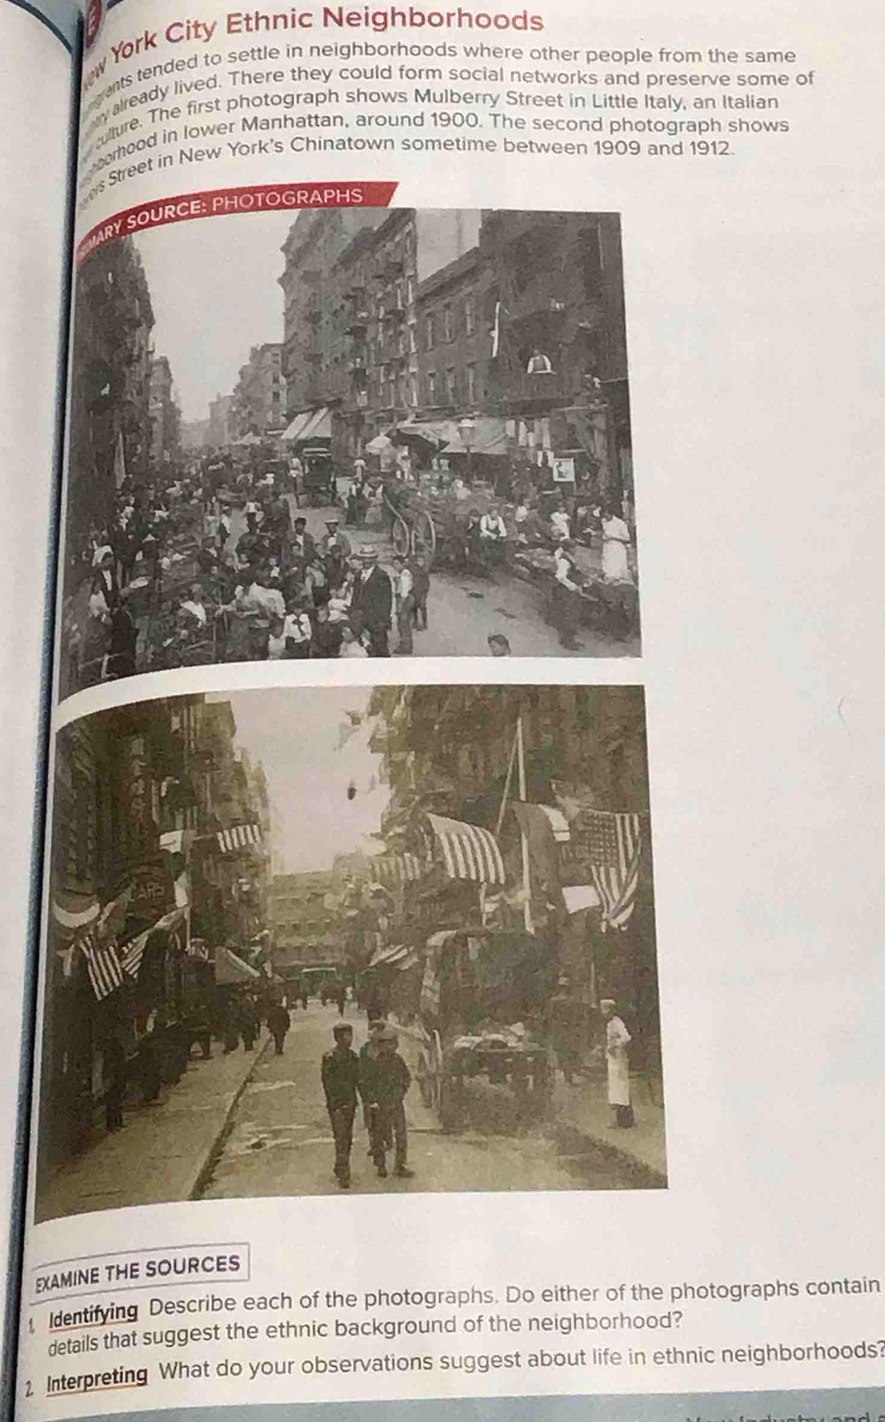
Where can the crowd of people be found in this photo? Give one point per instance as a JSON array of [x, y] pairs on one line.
[[168, 582], [218, 564]]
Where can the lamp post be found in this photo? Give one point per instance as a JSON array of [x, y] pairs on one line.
[[467, 429]]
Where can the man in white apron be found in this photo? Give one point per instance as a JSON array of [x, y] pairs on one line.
[[617, 1039]]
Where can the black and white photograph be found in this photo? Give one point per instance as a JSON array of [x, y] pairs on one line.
[[365, 432], [315, 941]]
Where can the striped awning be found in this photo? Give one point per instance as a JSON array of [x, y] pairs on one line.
[[299, 425], [231, 841], [468, 852], [319, 426], [396, 869], [73, 912]]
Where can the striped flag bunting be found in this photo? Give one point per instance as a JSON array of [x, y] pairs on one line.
[[238, 837], [396, 869], [133, 952], [102, 965], [468, 851], [613, 845]]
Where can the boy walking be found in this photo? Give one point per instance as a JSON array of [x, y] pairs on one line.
[[384, 1081], [340, 1071]]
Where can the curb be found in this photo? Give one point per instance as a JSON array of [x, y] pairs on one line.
[[204, 1173], [642, 1176]]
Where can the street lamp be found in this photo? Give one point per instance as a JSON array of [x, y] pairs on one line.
[[467, 429]]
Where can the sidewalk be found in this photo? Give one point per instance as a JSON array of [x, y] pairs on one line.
[[585, 1107], [164, 1148]]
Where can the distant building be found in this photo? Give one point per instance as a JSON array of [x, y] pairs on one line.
[[220, 430], [165, 414], [194, 434], [302, 925], [258, 403]]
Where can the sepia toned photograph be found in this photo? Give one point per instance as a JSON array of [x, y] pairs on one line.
[[302, 942], [364, 432]]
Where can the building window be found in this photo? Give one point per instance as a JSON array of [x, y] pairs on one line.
[[470, 389], [431, 387], [448, 324], [413, 390], [429, 333], [451, 385], [469, 315]]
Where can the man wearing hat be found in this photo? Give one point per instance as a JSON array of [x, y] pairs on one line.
[[384, 1080], [340, 1072], [372, 598], [302, 545]]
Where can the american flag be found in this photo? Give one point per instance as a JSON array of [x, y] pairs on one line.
[[102, 965], [468, 851], [231, 841], [612, 844]]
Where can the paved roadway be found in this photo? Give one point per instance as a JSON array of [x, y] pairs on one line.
[[280, 1142], [462, 611]]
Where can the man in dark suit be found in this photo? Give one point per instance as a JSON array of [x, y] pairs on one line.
[[302, 545], [373, 600]]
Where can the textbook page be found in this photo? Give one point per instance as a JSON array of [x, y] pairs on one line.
[[36, 74], [460, 971]]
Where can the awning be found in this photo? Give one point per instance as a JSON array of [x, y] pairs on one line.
[[395, 869], [298, 425], [379, 444], [489, 437], [231, 969], [468, 851], [440, 939], [73, 912], [435, 432], [319, 426]]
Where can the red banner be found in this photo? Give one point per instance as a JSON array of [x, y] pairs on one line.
[[222, 202]]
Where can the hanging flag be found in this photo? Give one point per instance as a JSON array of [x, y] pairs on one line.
[[468, 851], [102, 965], [133, 952], [612, 844], [238, 837]]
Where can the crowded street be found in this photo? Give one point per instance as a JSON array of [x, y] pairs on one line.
[[200, 573], [462, 464]]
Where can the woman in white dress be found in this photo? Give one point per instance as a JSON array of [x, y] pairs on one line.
[[617, 1039], [615, 542]]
